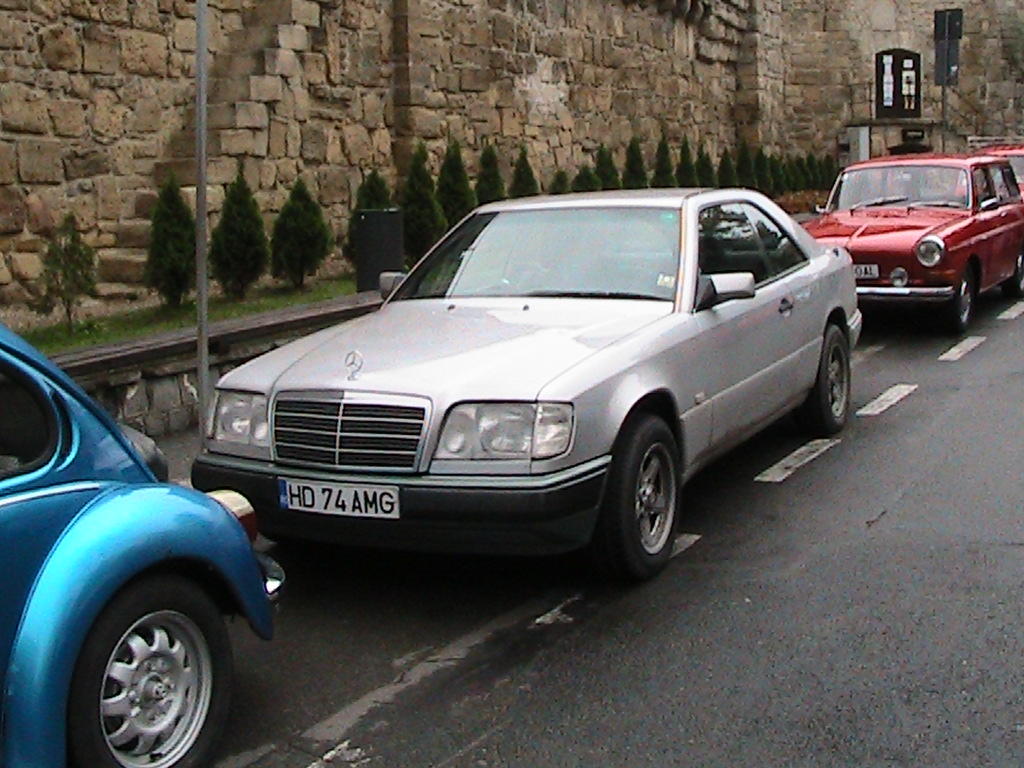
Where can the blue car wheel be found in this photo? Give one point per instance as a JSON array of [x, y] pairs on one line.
[[152, 684]]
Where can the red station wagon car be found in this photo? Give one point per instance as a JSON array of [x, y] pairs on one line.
[[934, 229]]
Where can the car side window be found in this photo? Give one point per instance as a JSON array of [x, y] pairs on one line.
[[983, 191], [26, 427], [1009, 182], [999, 185], [728, 242], [781, 253]]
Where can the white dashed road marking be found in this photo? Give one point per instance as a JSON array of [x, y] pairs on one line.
[[783, 469], [1012, 313], [954, 353], [683, 542], [887, 399]]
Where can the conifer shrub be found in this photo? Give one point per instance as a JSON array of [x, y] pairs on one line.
[[607, 173], [559, 183], [454, 191], [686, 171], [301, 238], [664, 175], [586, 180], [796, 172], [780, 179], [489, 184], [423, 219], [238, 246], [634, 174], [745, 173], [829, 170], [726, 170], [524, 183], [171, 258], [813, 172], [705, 169], [763, 173], [69, 272]]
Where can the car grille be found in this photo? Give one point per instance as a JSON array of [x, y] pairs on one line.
[[348, 435]]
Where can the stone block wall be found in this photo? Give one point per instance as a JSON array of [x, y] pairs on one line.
[[829, 69], [97, 96]]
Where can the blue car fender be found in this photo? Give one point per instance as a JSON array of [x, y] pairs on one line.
[[116, 537]]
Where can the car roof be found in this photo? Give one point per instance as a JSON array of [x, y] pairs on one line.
[[657, 198], [1001, 149], [927, 158]]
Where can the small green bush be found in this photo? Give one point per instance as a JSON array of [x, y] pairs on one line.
[[780, 178], [746, 175], [705, 169], [763, 173], [454, 191], [726, 170], [301, 239], [586, 180], [238, 246], [489, 184], [813, 172], [686, 171], [664, 176], [559, 183], [634, 175], [606, 171], [171, 259], [524, 183], [423, 218], [829, 170], [69, 272]]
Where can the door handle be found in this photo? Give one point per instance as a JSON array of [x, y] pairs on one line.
[[785, 306]]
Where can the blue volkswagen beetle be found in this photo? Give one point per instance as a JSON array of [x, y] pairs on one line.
[[113, 646]]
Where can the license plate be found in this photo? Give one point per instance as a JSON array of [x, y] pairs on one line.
[[865, 271], [377, 501]]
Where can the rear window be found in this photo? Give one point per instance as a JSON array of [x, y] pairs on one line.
[[26, 425]]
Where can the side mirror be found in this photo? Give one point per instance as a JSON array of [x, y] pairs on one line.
[[989, 204], [389, 281], [714, 289]]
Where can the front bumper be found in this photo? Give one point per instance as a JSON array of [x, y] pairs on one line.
[[908, 294], [535, 515]]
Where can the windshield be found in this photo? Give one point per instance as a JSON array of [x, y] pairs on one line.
[[584, 252], [903, 185]]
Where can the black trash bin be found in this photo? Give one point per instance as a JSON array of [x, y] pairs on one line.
[[377, 245]]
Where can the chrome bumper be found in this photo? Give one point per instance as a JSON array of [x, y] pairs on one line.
[[885, 293]]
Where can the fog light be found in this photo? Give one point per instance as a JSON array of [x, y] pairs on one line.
[[899, 277]]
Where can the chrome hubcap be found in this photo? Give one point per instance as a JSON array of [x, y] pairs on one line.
[[838, 382], [655, 499], [966, 299], [156, 691]]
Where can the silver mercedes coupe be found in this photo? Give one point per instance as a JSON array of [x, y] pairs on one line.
[[545, 379]]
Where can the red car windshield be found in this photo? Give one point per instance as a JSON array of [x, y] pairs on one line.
[[902, 185]]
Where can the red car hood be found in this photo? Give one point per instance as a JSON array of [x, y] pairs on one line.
[[890, 229]]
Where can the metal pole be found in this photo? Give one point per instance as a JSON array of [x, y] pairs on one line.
[[202, 280]]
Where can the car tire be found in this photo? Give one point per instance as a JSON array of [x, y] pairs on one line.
[[636, 528], [826, 409], [960, 309], [1013, 286], [151, 686]]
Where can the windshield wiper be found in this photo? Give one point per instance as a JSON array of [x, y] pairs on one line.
[[938, 204], [879, 201], [593, 295]]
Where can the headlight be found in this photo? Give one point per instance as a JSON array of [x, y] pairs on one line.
[[506, 431], [930, 251], [240, 417]]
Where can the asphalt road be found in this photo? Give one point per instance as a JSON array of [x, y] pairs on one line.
[[860, 609]]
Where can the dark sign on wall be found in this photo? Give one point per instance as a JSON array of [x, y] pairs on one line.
[[897, 84]]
